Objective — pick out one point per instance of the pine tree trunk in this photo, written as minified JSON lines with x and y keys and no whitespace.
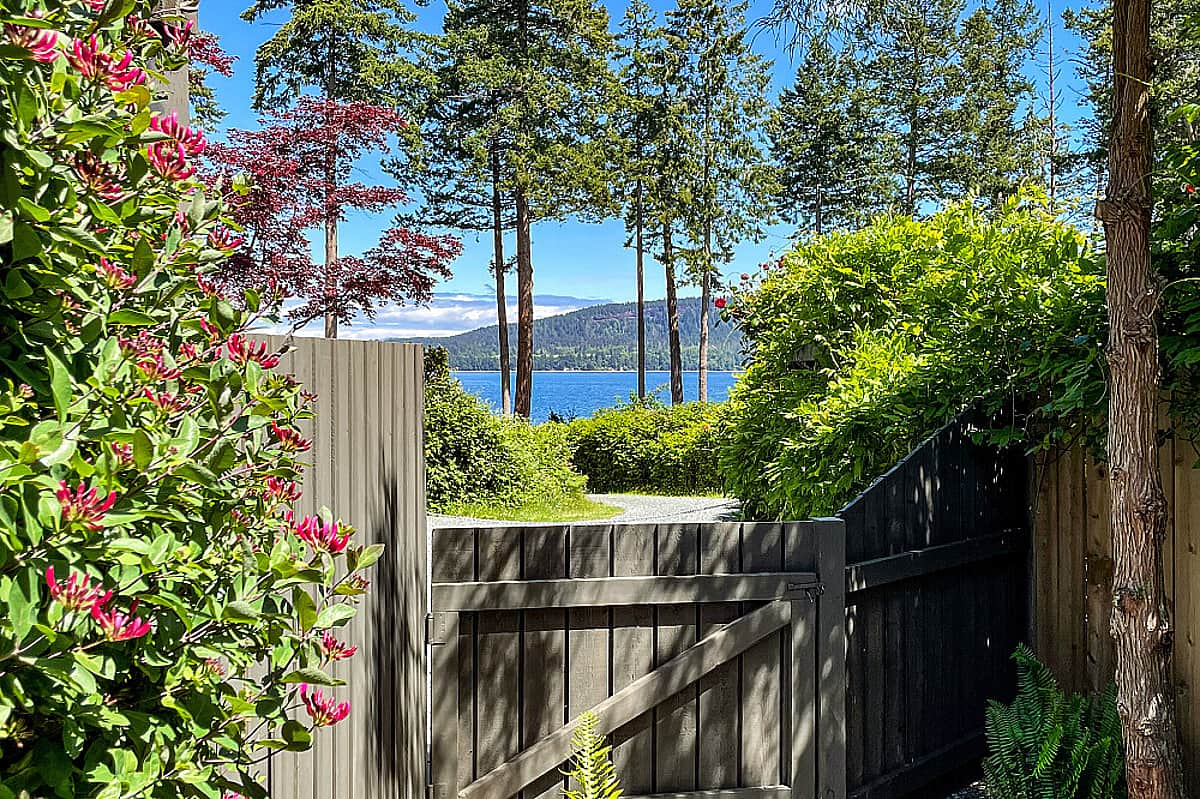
{"x":672,"y":318}
{"x":524,"y":398}
{"x":331,"y":256}
{"x":705,"y":302}
{"x":501,"y":299}
{"x":641,"y":292}
{"x":1141,"y":621}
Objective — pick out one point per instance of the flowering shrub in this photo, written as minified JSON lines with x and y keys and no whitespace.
{"x":864,"y":343}
{"x":165,"y":616}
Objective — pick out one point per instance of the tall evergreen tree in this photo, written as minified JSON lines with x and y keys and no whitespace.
{"x":346,"y":51}
{"x":542,"y":65}
{"x":639,"y":46}
{"x":910,"y":47}
{"x":723,"y":85}
{"x":833,"y":160}
{"x":460,"y":174}
{"x":994,"y":149}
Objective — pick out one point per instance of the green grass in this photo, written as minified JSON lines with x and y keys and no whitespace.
{"x":569,"y":509}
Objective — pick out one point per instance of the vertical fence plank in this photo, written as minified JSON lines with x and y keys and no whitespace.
{"x":805,"y":668}
{"x":587,"y":641}
{"x":720,"y":690}
{"x":831,"y":659}
{"x":497,"y":730}
{"x":762,"y":727}
{"x":544,"y":674}
{"x":633,"y":657}
{"x":676,"y":719}
{"x":1101,"y":657}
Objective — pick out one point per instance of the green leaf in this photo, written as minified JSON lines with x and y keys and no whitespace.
{"x":22,"y":603}
{"x":313,"y":676}
{"x":334,"y":616}
{"x":6,"y":227}
{"x":60,"y":383}
{"x":306,"y":609}
{"x":143,"y":449}
{"x":80,"y":238}
{"x":240,"y":613}
{"x":128,"y":316}
{"x":369,"y":556}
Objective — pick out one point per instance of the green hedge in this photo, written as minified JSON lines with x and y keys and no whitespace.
{"x":648,"y":447}
{"x":866,"y":342}
{"x":473,"y":456}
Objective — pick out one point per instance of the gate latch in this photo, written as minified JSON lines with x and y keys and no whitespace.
{"x":810,"y":590}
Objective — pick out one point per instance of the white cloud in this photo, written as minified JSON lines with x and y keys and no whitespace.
{"x":446,"y":315}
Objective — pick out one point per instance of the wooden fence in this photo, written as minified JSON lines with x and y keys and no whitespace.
{"x":713,"y":653}
{"x":368,"y":466}
{"x":1072,"y":575}
{"x":936,"y":604}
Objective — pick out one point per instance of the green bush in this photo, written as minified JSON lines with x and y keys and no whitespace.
{"x":1046,"y":744}
{"x":473,"y":456}
{"x":646,"y":446}
{"x":864,"y":343}
{"x":161,"y":609}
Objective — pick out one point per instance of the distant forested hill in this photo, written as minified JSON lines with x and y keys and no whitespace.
{"x":602,"y":337}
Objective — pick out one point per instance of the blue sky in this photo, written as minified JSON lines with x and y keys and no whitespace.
{"x":575,"y":263}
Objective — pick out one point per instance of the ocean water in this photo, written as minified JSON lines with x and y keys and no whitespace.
{"x":582,"y":393}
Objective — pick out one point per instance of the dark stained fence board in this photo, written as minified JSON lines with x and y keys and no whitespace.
{"x":934,"y":607}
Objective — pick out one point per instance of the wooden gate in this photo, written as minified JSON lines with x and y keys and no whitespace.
{"x":712,"y":653}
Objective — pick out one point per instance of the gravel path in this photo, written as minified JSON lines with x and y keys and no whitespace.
{"x":637,"y":508}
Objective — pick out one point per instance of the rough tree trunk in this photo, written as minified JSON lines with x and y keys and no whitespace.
{"x":524,"y":398}
{"x":1141,"y":622}
{"x":672,"y":318}
{"x":639,"y":249}
{"x":331,"y":256}
{"x":501,"y":299}
{"x":705,"y":302}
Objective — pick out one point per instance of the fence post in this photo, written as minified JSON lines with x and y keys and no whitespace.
{"x":444,"y":710}
{"x":831,"y":659}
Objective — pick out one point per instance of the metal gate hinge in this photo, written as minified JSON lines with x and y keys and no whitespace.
{"x":810,"y":590}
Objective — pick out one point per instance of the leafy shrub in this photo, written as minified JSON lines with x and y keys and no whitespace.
{"x":646,"y":446}
{"x":1046,"y":744}
{"x":591,"y":767}
{"x":864,"y":343}
{"x":473,"y":456}
{"x":164,"y":615}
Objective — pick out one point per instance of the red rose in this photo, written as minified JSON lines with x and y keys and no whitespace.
{"x":745,"y":276}
{"x":720,"y":302}
{"x":1189,"y":188}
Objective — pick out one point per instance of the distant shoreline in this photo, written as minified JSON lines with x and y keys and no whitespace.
{"x":595,"y":371}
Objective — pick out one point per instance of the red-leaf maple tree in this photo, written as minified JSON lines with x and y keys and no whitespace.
{"x":298,"y":168}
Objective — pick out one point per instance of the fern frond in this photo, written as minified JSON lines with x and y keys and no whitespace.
{"x":591,"y":767}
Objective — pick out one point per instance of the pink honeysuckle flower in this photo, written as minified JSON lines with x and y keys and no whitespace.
{"x":169,"y":157}
{"x":114,"y":275}
{"x":143,"y":345}
{"x":290,"y":440}
{"x":176,"y":36}
{"x":123,"y":452}
{"x":334,"y":649}
{"x":75,"y":594}
{"x":187,"y":352}
{"x":155,"y":368}
{"x":210,"y":330}
{"x":118,"y":626}
{"x":84,"y":506}
{"x":166,"y":401}
{"x":91,"y":62}
{"x":41,"y":43}
{"x":102,"y":178}
{"x":281,"y":490}
{"x":222,"y":238}
{"x":321,"y":709}
{"x":322,"y":536}
{"x":241,"y":350}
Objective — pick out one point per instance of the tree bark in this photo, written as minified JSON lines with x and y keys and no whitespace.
{"x":639,"y":249}
{"x":331,"y":256}
{"x":672,"y":317}
{"x":705,"y":302}
{"x":524,"y":397}
{"x":1141,"y":622}
{"x":501,"y":299}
